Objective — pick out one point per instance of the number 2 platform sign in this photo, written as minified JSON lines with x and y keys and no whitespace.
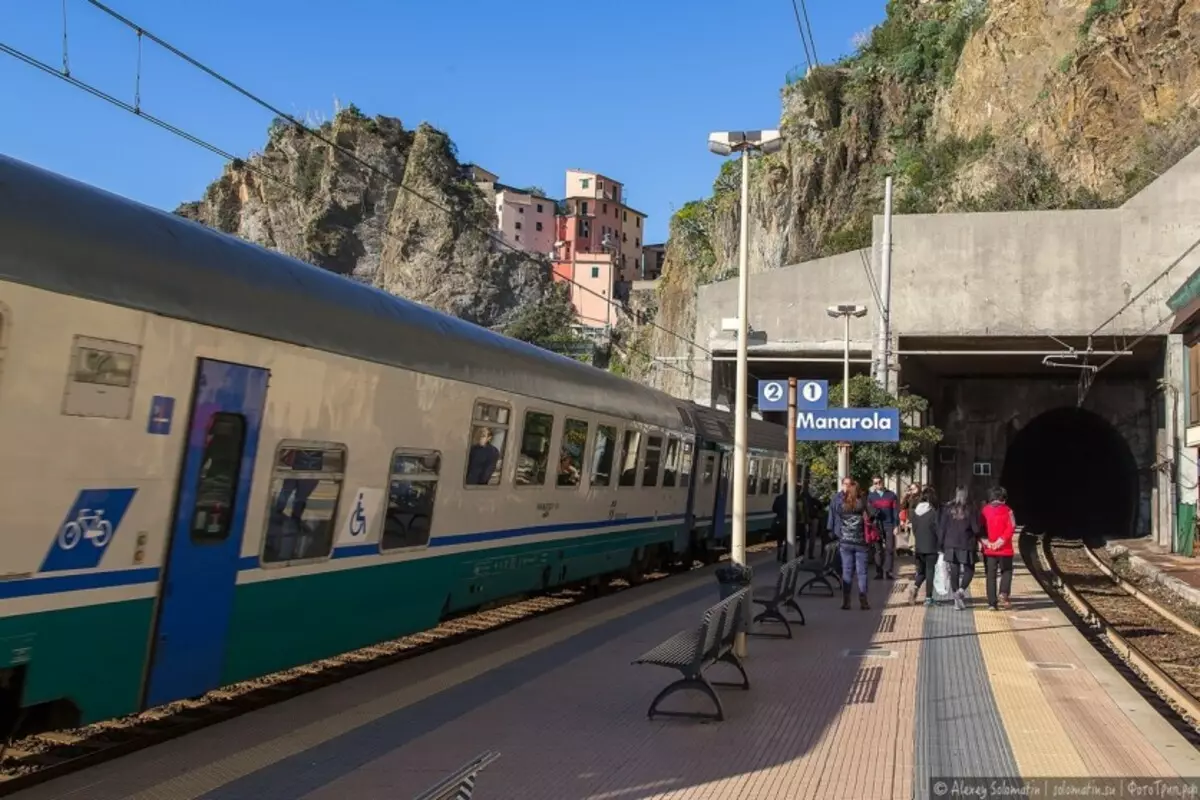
{"x":89,"y":527}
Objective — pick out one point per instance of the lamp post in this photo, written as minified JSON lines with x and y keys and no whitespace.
{"x":725,"y":143}
{"x":846,"y":311}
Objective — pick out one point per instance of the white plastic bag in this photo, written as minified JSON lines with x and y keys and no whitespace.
{"x":941,"y":579}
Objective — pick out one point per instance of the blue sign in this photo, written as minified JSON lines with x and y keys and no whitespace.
{"x":82,"y":539}
{"x":812,"y":396}
{"x":849,"y":425}
{"x":772,"y":395}
{"x":162,"y":409}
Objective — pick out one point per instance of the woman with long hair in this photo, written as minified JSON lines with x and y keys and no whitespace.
{"x":960,"y":532}
{"x":850,"y":515}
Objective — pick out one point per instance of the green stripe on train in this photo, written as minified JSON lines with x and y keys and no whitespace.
{"x":95,"y":655}
{"x":282,"y":623}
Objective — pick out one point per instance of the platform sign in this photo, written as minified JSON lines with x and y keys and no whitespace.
{"x":812,"y":395}
{"x":849,"y":425}
{"x":772,"y":395}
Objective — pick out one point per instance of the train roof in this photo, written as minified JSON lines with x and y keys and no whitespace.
{"x":67,"y":237}
{"x":717,"y":426}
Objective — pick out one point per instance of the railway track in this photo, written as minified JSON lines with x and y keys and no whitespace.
{"x":35,"y":759}
{"x":1154,"y":646}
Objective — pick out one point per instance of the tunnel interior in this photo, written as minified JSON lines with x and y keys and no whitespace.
{"x":1070,"y":473}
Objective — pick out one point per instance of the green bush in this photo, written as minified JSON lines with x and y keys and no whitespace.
{"x":1098,"y":9}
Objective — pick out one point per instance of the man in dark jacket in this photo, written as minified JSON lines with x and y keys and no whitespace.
{"x":886,"y":510}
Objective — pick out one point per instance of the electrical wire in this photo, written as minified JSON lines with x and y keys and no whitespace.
{"x":804,"y":42}
{"x":193,"y":139}
{"x":811,"y":41}
{"x":355,"y":157}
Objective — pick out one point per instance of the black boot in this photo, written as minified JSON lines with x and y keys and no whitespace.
{"x":845,"y":598}
{"x":862,"y":602}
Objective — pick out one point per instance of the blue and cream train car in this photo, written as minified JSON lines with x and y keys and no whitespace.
{"x":220,"y":462}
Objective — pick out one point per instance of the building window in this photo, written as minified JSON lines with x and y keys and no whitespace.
{"x":637,"y":242}
{"x":534,"y":455}
{"x":637,"y":222}
{"x":583,"y":182}
{"x":489,"y":435}
{"x":305,"y":486}
{"x":570,"y":457}
{"x":412,"y":489}
{"x":518,"y":237}
{"x":595,"y":272}
{"x":539,"y":208}
{"x":537,"y":226}
{"x":629,"y":458}
{"x":1194,"y":384}
{"x":604,"y":208}
{"x":520,"y":209}
{"x":602,"y":455}
{"x":518,"y":225}
{"x":671,"y":466}
{"x":624,"y":238}
{"x":625,"y":216}
{"x":217,"y":488}
{"x":583,"y":208}
{"x":600,"y":185}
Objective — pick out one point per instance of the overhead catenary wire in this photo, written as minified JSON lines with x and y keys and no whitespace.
{"x":358,"y":159}
{"x":803,"y":41}
{"x":812,"y":43}
{"x":195,"y":140}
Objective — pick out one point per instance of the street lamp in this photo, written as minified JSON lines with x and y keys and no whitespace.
{"x":726,"y":143}
{"x":846,"y":311}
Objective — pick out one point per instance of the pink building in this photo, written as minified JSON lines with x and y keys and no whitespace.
{"x":599,"y":244}
{"x":523,"y":219}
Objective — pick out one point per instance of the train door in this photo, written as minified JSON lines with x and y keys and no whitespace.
{"x":196,"y":600}
{"x":721,"y":500}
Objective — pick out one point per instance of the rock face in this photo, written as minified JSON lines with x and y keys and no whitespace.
{"x":428,"y":242}
{"x":971,"y":105}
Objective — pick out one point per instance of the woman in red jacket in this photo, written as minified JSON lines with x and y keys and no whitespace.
{"x":999,"y":525}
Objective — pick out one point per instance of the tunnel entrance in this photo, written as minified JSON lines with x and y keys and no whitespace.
{"x":1070,"y":473}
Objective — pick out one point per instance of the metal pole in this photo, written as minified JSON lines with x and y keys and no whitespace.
{"x":737,"y":552}
{"x":844,"y":447}
{"x":791,"y":470}
{"x":885,"y":322}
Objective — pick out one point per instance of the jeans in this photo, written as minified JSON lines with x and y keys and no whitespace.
{"x":998,"y":566}
{"x":959,"y":562}
{"x":854,"y":559}
{"x":926,"y":564}
{"x":885,"y":550}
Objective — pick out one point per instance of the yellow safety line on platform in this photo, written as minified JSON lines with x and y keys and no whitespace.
{"x":1039,"y":743}
{"x":215,"y":774}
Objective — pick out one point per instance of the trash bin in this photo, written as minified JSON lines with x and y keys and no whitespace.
{"x":732,"y":578}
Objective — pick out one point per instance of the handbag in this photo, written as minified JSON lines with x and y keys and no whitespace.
{"x":941,"y":578}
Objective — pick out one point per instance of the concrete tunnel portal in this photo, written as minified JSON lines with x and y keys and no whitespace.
{"x":1071,"y":473}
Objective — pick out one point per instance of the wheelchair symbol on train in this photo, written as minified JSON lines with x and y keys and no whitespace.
{"x":91,"y":526}
{"x":358,"y":520}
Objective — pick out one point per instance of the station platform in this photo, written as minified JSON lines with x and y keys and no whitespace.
{"x":943,"y":695}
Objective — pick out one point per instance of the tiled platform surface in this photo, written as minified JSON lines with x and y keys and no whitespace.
{"x":951,"y":694}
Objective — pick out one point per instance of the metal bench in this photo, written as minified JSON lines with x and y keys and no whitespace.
{"x":693,"y":651}
{"x":461,"y":784}
{"x":778,"y":597}
{"x":822,"y":570}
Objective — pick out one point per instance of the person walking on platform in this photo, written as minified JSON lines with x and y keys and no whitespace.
{"x":960,"y":534}
{"x":850,"y":514}
{"x":927,"y":544}
{"x":885,"y":509}
{"x":999,"y":526}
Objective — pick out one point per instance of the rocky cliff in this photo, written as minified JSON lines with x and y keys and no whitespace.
{"x":428,"y":241}
{"x":971,"y":105}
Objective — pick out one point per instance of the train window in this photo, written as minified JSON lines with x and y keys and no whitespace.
{"x":306,"y":484}
{"x":412,"y":489}
{"x":570,"y":458}
{"x":654,"y":446}
{"x":671,"y":466}
{"x":752,"y":477}
{"x":685,"y":463}
{"x":218,"y":482}
{"x":777,"y":477}
{"x":489,"y":437}
{"x":765,"y":469}
{"x":602,"y":455}
{"x":629,"y":458}
{"x":710,"y":467}
{"x":535,"y":449}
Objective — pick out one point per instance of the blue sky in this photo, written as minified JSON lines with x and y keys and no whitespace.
{"x":629,"y":88}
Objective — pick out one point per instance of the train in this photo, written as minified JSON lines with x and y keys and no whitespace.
{"x":222,"y":462}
